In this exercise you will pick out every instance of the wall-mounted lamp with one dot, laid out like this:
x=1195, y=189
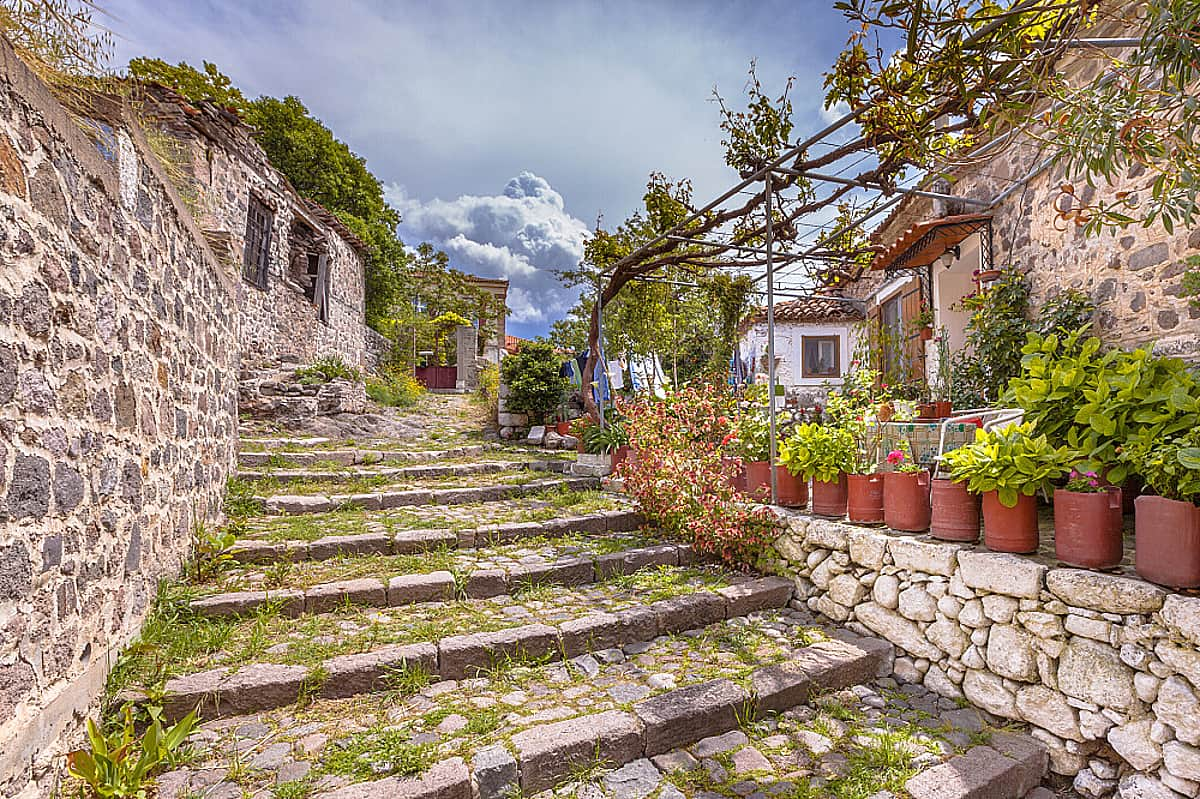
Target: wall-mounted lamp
x=950, y=256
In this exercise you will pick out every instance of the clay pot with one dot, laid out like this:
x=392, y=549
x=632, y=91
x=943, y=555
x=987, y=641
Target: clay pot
x=906, y=501
x=886, y=411
x=829, y=499
x=926, y=334
x=864, y=498
x=758, y=479
x=620, y=455
x=955, y=511
x=792, y=491
x=927, y=410
x=562, y=428
x=1167, y=541
x=1087, y=528
x=945, y=409
x=1010, y=529
x=735, y=474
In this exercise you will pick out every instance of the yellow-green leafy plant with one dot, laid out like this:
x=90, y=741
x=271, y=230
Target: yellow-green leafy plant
x=120, y=763
x=1010, y=461
x=815, y=451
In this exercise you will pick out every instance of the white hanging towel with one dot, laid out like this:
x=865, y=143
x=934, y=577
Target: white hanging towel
x=660, y=379
x=616, y=377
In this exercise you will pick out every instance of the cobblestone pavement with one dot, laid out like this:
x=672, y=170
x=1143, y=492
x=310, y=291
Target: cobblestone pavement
x=650, y=681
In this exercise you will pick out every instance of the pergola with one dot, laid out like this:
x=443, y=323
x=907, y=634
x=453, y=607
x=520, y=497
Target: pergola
x=760, y=236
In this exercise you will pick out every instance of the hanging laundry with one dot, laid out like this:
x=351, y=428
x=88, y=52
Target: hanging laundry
x=616, y=377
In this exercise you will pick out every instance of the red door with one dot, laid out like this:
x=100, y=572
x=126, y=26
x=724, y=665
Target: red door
x=434, y=377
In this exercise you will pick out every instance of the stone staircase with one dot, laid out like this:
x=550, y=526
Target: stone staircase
x=507, y=645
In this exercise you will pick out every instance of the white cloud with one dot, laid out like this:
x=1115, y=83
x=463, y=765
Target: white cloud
x=523, y=234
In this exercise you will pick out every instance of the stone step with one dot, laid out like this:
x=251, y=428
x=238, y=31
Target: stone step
x=262, y=686
x=291, y=505
x=441, y=586
x=1011, y=766
x=409, y=472
x=352, y=457
x=283, y=443
x=541, y=757
x=407, y=542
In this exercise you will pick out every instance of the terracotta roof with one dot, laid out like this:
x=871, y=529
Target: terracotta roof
x=513, y=343
x=811, y=309
x=925, y=242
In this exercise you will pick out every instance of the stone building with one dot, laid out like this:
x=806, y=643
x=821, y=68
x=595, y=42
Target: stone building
x=299, y=270
x=119, y=331
x=935, y=251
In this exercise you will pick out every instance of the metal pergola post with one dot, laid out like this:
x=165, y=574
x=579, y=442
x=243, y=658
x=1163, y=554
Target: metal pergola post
x=771, y=343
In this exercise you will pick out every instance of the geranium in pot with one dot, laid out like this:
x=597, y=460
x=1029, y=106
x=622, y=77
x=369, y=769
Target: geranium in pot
x=753, y=445
x=857, y=408
x=905, y=492
x=1167, y=524
x=823, y=454
x=1008, y=467
x=1087, y=521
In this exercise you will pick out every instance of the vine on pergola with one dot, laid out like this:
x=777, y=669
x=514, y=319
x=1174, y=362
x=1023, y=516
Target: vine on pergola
x=927, y=81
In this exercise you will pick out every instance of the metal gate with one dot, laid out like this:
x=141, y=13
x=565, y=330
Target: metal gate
x=435, y=377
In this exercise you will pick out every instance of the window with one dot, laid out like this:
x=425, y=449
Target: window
x=258, y=243
x=892, y=339
x=822, y=356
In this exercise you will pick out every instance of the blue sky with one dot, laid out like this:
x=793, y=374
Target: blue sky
x=503, y=129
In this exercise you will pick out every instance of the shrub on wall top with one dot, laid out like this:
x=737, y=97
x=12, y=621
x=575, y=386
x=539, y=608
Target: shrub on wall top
x=534, y=384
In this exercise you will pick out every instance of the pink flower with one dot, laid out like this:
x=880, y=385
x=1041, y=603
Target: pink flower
x=895, y=457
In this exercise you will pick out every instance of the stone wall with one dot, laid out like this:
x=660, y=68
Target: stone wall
x=118, y=366
x=1104, y=668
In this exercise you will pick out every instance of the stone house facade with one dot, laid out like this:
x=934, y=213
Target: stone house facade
x=931, y=250
x=299, y=270
x=118, y=406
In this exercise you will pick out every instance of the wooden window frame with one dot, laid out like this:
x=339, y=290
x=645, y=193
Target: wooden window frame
x=837, y=356
x=256, y=259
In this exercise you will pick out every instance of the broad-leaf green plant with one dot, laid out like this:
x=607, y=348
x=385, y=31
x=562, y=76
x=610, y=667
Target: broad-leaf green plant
x=818, y=452
x=1010, y=461
x=1171, y=468
x=120, y=763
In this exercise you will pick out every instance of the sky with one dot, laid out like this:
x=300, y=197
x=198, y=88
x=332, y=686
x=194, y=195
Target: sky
x=504, y=130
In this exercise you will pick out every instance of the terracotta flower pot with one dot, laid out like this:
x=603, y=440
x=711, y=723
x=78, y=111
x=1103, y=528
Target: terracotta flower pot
x=955, y=511
x=1010, y=529
x=758, y=479
x=1167, y=541
x=829, y=499
x=886, y=411
x=735, y=474
x=562, y=428
x=864, y=498
x=792, y=491
x=944, y=409
x=927, y=410
x=906, y=501
x=1087, y=528
x=620, y=455
x=926, y=333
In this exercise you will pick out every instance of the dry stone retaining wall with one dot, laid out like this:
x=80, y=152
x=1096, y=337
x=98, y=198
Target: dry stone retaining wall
x=118, y=367
x=1104, y=668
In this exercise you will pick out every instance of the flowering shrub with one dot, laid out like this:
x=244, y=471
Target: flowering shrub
x=679, y=474
x=901, y=460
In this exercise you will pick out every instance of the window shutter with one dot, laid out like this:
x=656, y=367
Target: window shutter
x=321, y=288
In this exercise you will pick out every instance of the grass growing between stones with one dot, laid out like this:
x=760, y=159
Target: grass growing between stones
x=374, y=484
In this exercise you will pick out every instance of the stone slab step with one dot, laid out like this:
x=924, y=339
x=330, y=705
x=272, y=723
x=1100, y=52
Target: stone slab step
x=263, y=686
x=441, y=586
x=1009, y=767
x=351, y=457
x=541, y=757
x=407, y=542
x=290, y=505
x=407, y=472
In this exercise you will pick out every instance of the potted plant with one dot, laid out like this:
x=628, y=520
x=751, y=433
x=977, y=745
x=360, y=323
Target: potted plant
x=579, y=431
x=954, y=511
x=1167, y=523
x=905, y=492
x=1087, y=521
x=1008, y=466
x=924, y=324
x=986, y=275
x=562, y=423
x=858, y=408
x=753, y=445
x=823, y=454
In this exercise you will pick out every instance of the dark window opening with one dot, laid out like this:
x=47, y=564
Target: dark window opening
x=308, y=266
x=822, y=356
x=257, y=256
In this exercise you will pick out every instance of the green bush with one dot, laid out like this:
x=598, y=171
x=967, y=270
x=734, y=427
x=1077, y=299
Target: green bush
x=326, y=368
x=395, y=389
x=534, y=384
x=1010, y=461
x=818, y=451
